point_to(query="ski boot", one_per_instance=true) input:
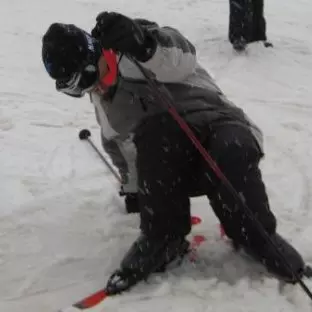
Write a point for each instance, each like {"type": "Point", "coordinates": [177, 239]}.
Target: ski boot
{"type": "Point", "coordinates": [271, 258]}
{"type": "Point", "coordinates": [239, 45]}
{"type": "Point", "coordinates": [146, 255]}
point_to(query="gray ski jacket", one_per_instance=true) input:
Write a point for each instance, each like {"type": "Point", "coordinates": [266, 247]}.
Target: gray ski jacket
{"type": "Point", "coordinates": [196, 97]}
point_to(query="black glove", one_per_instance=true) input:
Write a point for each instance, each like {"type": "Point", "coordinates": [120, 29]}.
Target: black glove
{"type": "Point", "coordinates": [132, 203]}
{"type": "Point", "coordinates": [122, 34]}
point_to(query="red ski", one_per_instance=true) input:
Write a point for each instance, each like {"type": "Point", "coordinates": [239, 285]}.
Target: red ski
{"type": "Point", "coordinates": [95, 302]}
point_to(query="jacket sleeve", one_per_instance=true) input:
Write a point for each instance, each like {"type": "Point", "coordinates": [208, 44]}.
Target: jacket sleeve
{"type": "Point", "coordinates": [123, 156]}
{"type": "Point", "coordinates": [121, 151]}
{"type": "Point", "coordinates": [173, 57]}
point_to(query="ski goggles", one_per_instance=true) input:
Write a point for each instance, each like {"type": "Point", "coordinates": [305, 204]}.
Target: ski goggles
{"type": "Point", "coordinates": [80, 82]}
{"type": "Point", "coordinates": [87, 78]}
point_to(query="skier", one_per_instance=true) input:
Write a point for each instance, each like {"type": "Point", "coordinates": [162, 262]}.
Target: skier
{"type": "Point", "coordinates": [247, 23]}
{"type": "Point", "coordinates": [169, 168]}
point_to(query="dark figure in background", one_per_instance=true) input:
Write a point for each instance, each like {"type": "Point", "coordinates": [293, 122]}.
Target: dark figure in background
{"type": "Point", "coordinates": [247, 23]}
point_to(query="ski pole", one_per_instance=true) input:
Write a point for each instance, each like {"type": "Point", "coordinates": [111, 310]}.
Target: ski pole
{"type": "Point", "coordinates": [84, 135]}
{"type": "Point", "coordinates": [166, 101]}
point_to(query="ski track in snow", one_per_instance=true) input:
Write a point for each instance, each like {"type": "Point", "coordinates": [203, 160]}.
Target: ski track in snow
{"type": "Point", "coordinates": [62, 226]}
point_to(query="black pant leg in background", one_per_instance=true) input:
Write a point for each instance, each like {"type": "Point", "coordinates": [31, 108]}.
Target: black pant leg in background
{"type": "Point", "coordinates": [258, 32]}
{"type": "Point", "coordinates": [237, 154]}
{"type": "Point", "coordinates": [240, 20]}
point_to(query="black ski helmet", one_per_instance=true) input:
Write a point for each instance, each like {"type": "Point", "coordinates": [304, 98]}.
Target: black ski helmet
{"type": "Point", "coordinates": [67, 50]}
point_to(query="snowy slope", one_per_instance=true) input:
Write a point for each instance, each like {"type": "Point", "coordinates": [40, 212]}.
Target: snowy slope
{"type": "Point", "coordinates": [62, 226]}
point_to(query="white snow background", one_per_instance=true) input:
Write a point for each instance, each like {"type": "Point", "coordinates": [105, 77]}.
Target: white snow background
{"type": "Point", "coordinates": [63, 229]}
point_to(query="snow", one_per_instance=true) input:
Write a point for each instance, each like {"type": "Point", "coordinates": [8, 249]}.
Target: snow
{"type": "Point", "coordinates": [63, 229]}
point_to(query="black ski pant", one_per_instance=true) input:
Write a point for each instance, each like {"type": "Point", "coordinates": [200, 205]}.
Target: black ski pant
{"type": "Point", "coordinates": [247, 21]}
{"type": "Point", "coordinates": [170, 170]}
{"type": "Point", "coordinates": [237, 154]}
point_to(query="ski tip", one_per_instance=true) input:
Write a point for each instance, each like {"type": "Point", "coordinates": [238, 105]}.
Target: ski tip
{"type": "Point", "coordinates": [92, 300]}
{"type": "Point", "coordinates": [196, 220]}
{"type": "Point", "coordinates": [199, 239]}
{"type": "Point", "coordinates": [88, 303]}
{"type": "Point", "coordinates": [222, 232]}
